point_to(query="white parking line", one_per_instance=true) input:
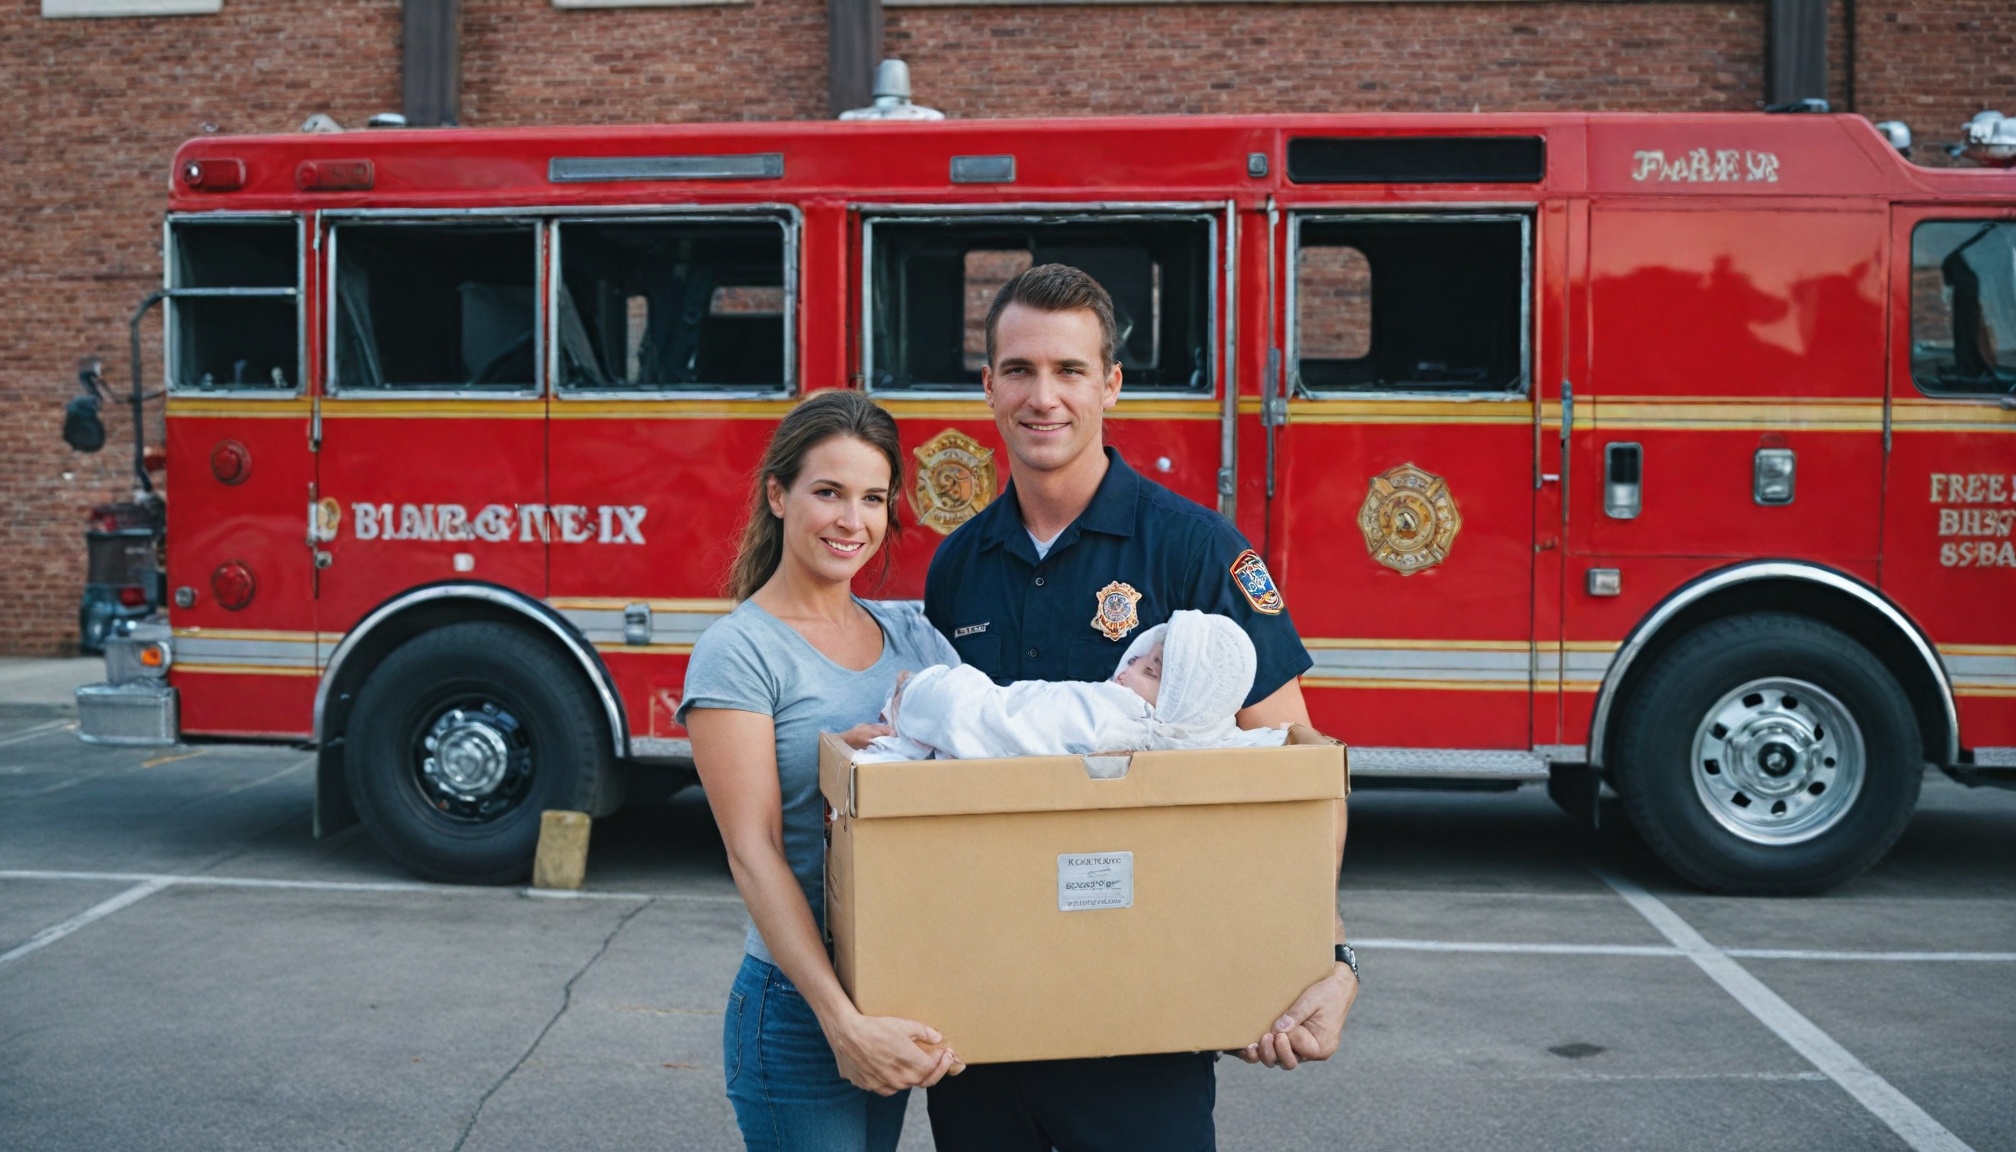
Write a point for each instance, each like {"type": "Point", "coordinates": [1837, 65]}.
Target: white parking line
{"type": "Point", "coordinates": [1885, 1102]}
{"type": "Point", "coordinates": [1368, 943]}
{"type": "Point", "coordinates": [96, 912]}
{"type": "Point", "coordinates": [1514, 948]}
{"type": "Point", "coordinates": [407, 886]}
{"type": "Point", "coordinates": [27, 734]}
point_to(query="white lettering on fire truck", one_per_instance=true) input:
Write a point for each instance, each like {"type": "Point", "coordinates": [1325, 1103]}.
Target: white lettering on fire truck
{"type": "Point", "coordinates": [1705, 166]}
{"type": "Point", "coordinates": [498, 523]}
{"type": "Point", "coordinates": [1984, 532]}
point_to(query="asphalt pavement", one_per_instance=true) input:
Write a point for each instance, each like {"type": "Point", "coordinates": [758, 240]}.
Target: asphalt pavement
{"type": "Point", "coordinates": [184, 966]}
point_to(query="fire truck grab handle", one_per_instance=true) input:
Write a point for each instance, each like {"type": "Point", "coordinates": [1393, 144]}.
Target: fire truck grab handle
{"type": "Point", "coordinates": [1567, 410]}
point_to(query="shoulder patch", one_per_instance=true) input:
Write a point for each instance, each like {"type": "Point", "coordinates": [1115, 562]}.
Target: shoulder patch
{"type": "Point", "coordinates": [1250, 573]}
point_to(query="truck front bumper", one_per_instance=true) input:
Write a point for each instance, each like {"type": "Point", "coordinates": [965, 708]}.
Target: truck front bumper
{"type": "Point", "coordinates": [140, 713]}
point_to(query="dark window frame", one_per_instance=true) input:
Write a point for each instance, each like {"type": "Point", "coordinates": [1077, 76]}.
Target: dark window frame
{"type": "Point", "coordinates": [1210, 215]}
{"type": "Point", "coordinates": [171, 263]}
{"type": "Point", "coordinates": [1936, 389]}
{"type": "Point", "coordinates": [1523, 215]}
{"type": "Point", "coordinates": [532, 220]}
{"type": "Point", "coordinates": [788, 218]}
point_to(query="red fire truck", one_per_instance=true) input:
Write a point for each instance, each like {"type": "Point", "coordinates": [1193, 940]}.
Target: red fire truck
{"type": "Point", "coordinates": [1669, 455]}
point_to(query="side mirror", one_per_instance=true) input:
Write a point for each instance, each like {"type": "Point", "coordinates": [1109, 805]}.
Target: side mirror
{"type": "Point", "coordinates": [82, 429]}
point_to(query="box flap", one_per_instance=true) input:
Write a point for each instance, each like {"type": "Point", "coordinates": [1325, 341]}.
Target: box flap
{"type": "Point", "coordinates": [1310, 767]}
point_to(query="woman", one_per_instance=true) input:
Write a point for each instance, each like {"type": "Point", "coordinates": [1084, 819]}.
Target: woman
{"type": "Point", "coordinates": [800, 655]}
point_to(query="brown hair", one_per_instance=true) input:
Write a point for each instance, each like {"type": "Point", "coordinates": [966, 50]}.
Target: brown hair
{"type": "Point", "coordinates": [812, 423]}
{"type": "Point", "coordinates": [1058, 288]}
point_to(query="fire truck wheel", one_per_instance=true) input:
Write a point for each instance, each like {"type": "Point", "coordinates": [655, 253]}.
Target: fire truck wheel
{"type": "Point", "coordinates": [461, 738]}
{"type": "Point", "coordinates": [1769, 754]}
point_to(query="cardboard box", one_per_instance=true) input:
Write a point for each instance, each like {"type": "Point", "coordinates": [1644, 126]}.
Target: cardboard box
{"type": "Point", "coordinates": [1030, 911]}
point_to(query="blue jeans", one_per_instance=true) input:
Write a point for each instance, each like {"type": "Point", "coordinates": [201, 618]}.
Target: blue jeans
{"type": "Point", "coordinates": [787, 1089]}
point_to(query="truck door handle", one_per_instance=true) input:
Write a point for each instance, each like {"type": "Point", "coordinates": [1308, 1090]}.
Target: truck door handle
{"type": "Point", "coordinates": [1623, 467]}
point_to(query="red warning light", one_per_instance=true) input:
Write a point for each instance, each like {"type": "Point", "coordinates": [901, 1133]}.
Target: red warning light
{"type": "Point", "coordinates": [335, 176]}
{"type": "Point", "coordinates": [233, 585]}
{"type": "Point", "coordinates": [213, 174]}
{"type": "Point", "coordinates": [230, 462]}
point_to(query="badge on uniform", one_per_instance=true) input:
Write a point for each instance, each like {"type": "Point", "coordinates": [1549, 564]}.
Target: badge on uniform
{"type": "Point", "coordinates": [1116, 616]}
{"type": "Point", "coordinates": [1250, 573]}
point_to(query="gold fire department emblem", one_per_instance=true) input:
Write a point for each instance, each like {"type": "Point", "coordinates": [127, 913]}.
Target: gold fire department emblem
{"type": "Point", "coordinates": [955, 480]}
{"type": "Point", "coordinates": [1116, 616]}
{"type": "Point", "coordinates": [1409, 519]}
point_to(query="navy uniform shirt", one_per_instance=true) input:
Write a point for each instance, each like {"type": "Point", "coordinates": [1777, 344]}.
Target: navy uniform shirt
{"type": "Point", "coordinates": [1015, 617]}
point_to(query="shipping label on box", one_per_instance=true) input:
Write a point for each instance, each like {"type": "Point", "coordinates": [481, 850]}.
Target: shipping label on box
{"type": "Point", "coordinates": [1099, 880]}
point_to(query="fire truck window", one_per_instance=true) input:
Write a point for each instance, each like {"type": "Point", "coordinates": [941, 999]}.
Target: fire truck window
{"type": "Point", "coordinates": [934, 281]}
{"type": "Point", "coordinates": [1410, 305]}
{"type": "Point", "coordinates": [435, 306]}
{"type": "Point", "coordinates": [667, 306]}
{"type": "Point", "coordinates": [1963, 307]}
{"type": "Point", "coordinates": [986, 272]}
{"type": "Point", "coordinates": [1333, 302]}
{"type": "Point", "coordinates": [234, 342]}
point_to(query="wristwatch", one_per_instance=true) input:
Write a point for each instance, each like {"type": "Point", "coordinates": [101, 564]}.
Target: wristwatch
{"type": "Point", "coordinates": [1349, 958]}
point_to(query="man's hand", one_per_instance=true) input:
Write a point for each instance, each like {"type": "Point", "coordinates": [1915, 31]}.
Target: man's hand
{"type": "Point", "coordinates": [1312, 1026]}
{"type": "Point", "coordinates": [886, 1054]}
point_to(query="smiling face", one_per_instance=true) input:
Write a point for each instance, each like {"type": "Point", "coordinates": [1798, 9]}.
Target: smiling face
{"type": "Point", "coordinates": [837, 511]}
{"type": "Point", "coordinates": [1049, 385]}
{"type": "Point", "coordinates": [1143, 674]}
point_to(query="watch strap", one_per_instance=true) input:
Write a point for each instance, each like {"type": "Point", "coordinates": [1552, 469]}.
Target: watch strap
{"type": "Point", "coordinates": [1348, 957]}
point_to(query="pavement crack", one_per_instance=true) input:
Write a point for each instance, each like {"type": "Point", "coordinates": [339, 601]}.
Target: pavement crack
{"type": "Point", "coordinates": [566, 1002]}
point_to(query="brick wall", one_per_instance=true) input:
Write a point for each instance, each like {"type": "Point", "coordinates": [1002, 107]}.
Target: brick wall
{"type": "Point", "coordinates": [1338, 57]}
{"type": "Point", "coordinates": [1933, 64]}
{"type": "Point", "coordinates": [99, 106]}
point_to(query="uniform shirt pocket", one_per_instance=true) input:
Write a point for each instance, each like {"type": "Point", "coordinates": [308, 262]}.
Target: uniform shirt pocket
{"type": "Point", "coordinates": [982, 650]}
{"type": "Point", "coordinates": [1093, 657]}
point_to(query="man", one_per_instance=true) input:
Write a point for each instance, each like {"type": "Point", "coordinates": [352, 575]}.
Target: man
{"type": "Point", "coordinates": [1048, 582]}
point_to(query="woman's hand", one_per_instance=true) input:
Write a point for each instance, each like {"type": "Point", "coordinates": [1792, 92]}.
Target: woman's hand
{"type": "Point", "coordinates": [886, 1054]}
{"type": "Point", "coordinates": [859, 735]}
{"type": "Point", "coordinates": [896, 698]}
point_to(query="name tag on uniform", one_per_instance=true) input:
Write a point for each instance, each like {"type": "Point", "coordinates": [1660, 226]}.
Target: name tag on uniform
{"type": "Point", "coordinates": [970, 630]}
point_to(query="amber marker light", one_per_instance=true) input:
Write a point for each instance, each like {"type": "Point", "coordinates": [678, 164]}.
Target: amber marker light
{"type": "Point", "coordinates": [153, 656]}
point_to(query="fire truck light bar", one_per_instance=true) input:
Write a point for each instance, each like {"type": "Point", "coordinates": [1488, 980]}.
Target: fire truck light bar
{"type": "Point", "coordinates": [214, 174]}
{"type": "Point", "coordinates": [587, 169]}
{"type": "Point", "coordinates": [335, 176]}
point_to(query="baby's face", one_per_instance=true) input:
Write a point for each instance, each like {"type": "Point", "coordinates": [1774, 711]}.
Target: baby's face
{"type": "Point", "coordinates": [1143, 674]}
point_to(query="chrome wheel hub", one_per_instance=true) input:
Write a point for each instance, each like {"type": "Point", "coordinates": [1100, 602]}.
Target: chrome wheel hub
{"type": "Point", "coordinates": [1778, 761]}
{"type": "Point", "coordinates": [474, 761]}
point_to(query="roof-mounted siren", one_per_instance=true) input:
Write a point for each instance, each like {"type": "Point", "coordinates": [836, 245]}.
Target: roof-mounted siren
{"type": "Point", "coordinates": [1898, 133]}
{"type": "Point", "coordinates": [1989, 139]}
{"type": "Point", "coordinates": [892, 97]}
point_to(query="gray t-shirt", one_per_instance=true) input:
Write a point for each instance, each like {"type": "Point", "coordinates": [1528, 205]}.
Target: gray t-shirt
{"type": "Point", "coordinates": [751, 661]}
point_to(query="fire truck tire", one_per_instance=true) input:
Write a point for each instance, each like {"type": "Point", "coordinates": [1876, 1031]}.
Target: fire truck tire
{"type": "Point", "coordinates": [461, 738]}
{"type": "Point", "coordinates": [1768, 754]}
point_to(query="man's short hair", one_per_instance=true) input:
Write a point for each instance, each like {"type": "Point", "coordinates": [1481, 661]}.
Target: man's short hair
{"type": "Point", "coordinates": [1058, 288]}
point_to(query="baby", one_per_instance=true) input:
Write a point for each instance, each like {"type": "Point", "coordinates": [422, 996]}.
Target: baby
{"type": "Point", "coordinates": [1179, 685]}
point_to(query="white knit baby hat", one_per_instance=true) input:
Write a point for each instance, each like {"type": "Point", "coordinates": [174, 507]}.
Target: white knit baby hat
{"type": "Point", "coordinates": [1208, 664]}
